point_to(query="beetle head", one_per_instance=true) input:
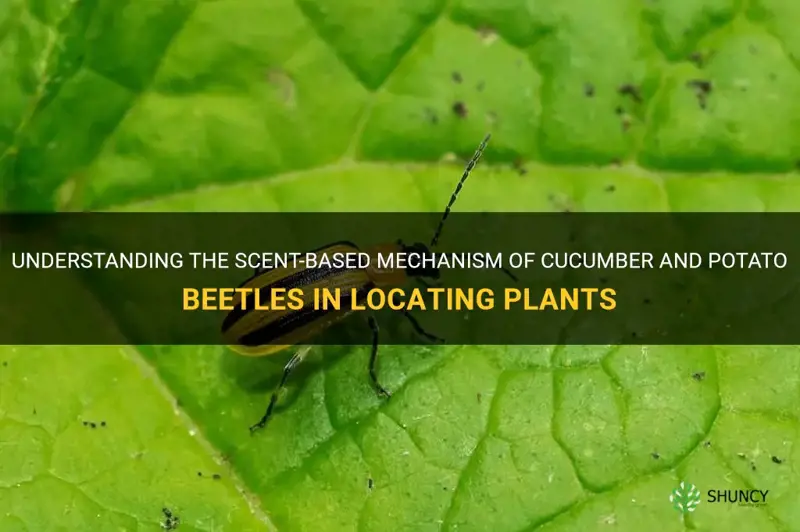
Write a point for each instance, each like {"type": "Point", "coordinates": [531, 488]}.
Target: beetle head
{"type": "Point", "coordinates": [423, 270]}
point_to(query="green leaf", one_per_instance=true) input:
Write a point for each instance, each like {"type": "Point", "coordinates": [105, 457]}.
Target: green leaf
{"type": "Point", "coordinates": [332, 106]}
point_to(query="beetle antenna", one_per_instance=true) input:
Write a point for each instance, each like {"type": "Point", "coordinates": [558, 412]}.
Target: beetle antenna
{"type": "Point", "coordinates": [470, 165]}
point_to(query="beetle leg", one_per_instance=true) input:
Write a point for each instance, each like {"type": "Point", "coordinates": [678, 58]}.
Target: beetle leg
{"type": "Point", "coordinates": [373, 359]}
{"type": "Point", "coordinates": [513, 277]}
{"type": "Point", "coordinates": [419, 330]}
{"type": "Point", "coordinates": [295, 361]}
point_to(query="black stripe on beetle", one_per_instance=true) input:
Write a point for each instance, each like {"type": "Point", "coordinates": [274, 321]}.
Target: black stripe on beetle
{"type": "Point", "coordinates": [272, 332]}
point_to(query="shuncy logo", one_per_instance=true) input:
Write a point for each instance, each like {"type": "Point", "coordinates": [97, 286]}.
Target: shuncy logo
{"type": "Point", "coordinates": [685, 498]}
{"type": "Point", "coordinates": [740, 497]}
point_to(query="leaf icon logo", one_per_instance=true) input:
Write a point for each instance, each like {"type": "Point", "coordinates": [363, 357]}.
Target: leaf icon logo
{"type": "Point", "coordinates": [685, 498]}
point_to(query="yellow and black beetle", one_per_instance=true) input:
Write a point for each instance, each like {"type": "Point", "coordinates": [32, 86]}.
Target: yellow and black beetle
{"type": "Point", "coordinates": [254, 333]}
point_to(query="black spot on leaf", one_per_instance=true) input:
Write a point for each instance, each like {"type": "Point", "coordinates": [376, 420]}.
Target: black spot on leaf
{"type": "Point", "coordinates": [632, 91]}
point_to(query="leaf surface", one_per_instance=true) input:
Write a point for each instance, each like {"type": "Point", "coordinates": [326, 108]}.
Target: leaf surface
{"type": "Point", "coordinates": [318, 106]}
